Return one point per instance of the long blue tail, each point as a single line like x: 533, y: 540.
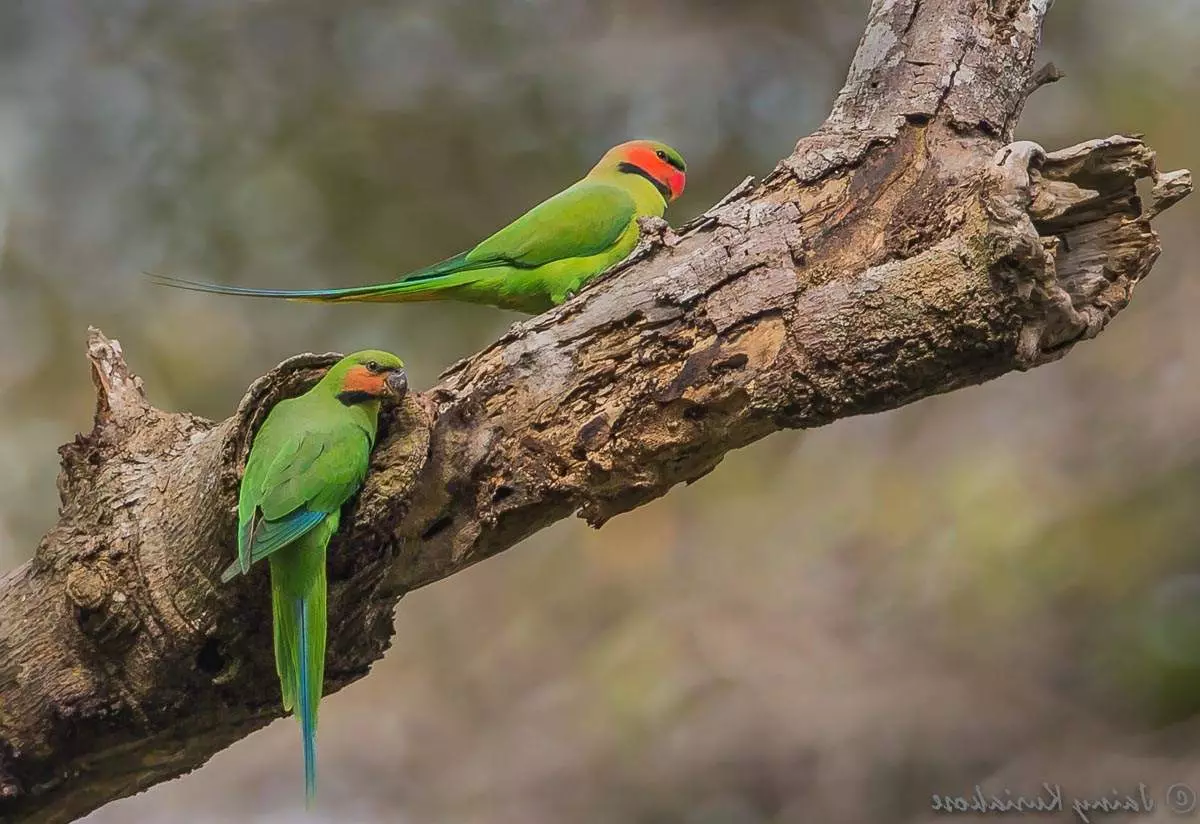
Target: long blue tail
x: 300, y: 659
x: 306, y: 707
x: 319, y: 295
x: 409, y: 287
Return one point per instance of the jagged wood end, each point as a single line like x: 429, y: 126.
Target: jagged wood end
x: 119, y: 393
x: 1169, y: 189
x: 1079, y: 239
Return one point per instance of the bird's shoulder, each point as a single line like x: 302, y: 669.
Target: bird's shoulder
x: 312, y: 458
x: 582, y: 220
x: 586, y: 198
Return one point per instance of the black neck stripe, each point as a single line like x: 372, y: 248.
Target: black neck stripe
x: 353, y: 396
x: 629, y: 168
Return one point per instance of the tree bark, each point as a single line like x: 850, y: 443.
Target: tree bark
x: 906, y: 248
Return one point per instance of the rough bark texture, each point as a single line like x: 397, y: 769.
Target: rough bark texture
x: 904, y: 249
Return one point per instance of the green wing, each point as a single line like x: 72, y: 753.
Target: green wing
x: 583, y: 220
x: 293, y: 482
x: 323, y: 472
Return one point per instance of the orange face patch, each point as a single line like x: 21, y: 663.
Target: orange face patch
x: 362, y: 379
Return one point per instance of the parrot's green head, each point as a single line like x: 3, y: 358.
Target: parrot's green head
x: 370, y: 375
x: 655, y: 161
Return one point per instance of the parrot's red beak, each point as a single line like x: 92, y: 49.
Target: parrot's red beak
x: 676, y: 180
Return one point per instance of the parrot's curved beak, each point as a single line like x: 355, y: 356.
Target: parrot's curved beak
x: 676, y: 180
x: 397, y: 383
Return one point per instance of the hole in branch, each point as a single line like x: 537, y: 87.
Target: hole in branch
x: 437, y: 526
x: 209, y: 659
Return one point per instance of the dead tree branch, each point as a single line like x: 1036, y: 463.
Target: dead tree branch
x: 906, y: 248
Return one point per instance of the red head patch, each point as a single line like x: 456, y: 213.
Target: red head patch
x: 657, y: 162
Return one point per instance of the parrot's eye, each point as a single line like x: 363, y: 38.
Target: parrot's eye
x: 373, y: 366
x: 673, y: 162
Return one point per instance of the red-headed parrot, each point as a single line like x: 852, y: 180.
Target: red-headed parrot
x: 543, y: 257
x: 309, y: 456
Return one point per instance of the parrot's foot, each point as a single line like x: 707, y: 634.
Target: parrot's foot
x: 657, y: 229
x: 558, y: 299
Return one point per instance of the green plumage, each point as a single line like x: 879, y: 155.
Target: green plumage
x: 541, y: 258
x: 308, y: 458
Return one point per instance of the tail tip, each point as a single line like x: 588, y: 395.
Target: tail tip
x: 310, y: 778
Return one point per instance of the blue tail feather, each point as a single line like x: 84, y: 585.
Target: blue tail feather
x: 304, y: 707
x: 420, y: 280
x: 244, y: 291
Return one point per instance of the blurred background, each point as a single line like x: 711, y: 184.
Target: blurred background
x: 1000, y: 585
